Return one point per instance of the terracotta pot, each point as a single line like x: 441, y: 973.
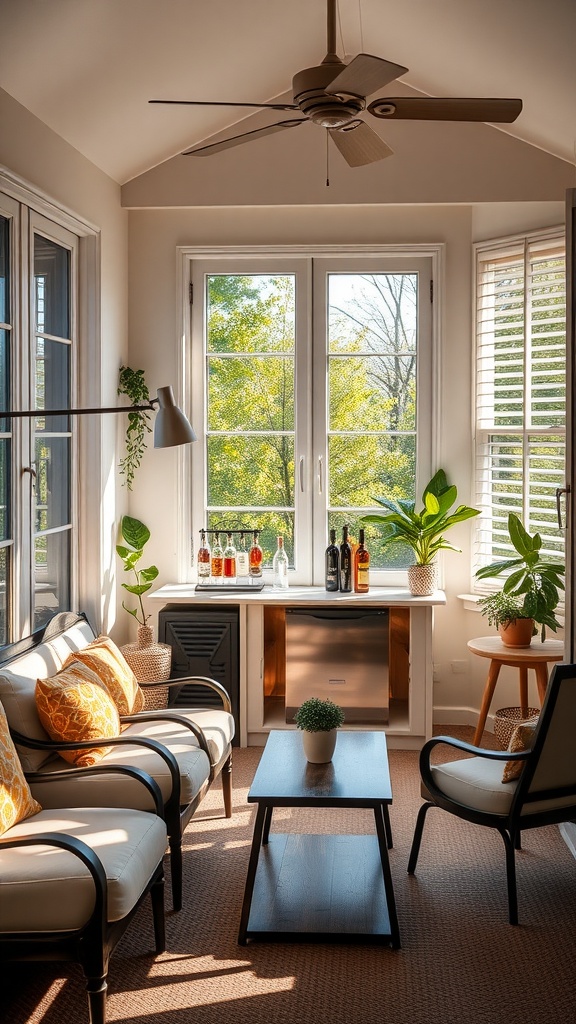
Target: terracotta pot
x: 423, y: 579
x: 517, y: 633
x: 319, y: 746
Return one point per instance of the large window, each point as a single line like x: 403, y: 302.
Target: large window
x: 38, y: 282
x: 316, y: 391
x: 520, y: 390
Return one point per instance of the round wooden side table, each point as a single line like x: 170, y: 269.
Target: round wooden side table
x: 535, y: 657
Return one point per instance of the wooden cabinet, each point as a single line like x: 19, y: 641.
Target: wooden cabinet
x: 262, y: 654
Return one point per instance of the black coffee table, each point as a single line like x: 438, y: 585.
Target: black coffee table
x: 321, y: 887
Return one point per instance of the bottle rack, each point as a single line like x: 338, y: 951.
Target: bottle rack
x: 252, y: 585
x: 239, y: 530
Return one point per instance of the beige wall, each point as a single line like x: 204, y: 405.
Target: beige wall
x: 33, y: 154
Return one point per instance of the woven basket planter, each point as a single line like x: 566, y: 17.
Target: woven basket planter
x: 150, y: 663
x: 506, y: 720
x: 423, y: 579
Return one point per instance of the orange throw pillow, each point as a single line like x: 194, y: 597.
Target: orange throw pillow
x: 16, y: 800
x: 73, y: 705
x: 103, y: 657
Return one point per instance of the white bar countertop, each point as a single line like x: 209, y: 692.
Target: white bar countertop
x: 185, y: 593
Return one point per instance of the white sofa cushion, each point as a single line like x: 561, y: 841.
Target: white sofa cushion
x: 46, y: 889
x: 216, y: 724
x: 476, y: 782
x: 115, y: 790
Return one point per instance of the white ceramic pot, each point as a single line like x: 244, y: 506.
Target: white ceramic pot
x: 319, y: 746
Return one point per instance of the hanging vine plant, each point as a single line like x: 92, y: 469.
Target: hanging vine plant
x: 132, y: 383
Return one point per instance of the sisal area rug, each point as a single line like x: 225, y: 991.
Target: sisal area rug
x: 460, y: 962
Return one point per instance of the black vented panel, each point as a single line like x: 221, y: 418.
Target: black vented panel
x: 204, y: 642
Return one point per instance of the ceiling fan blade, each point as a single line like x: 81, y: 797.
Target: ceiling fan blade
x: 359, y: 145
x: 432, y: 108
x: 364, y: 75
x: 223, y: 103
x: 237, y: 140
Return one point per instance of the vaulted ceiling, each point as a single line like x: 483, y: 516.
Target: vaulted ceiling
x: 87, y: 68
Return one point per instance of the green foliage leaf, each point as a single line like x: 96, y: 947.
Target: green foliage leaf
x: 134, y: 532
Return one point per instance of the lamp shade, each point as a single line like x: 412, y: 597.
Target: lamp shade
x: 171, y: 426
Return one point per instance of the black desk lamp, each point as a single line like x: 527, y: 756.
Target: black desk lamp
x: 171, y: 426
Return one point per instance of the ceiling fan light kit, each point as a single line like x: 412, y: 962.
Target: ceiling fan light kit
x: 333, y: 94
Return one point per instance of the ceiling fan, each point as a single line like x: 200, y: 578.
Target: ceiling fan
x: 334, y: 94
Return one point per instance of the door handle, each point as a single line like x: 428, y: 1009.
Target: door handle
x: 559, y: 493
x: 301, y: 472
x: 320, y: 474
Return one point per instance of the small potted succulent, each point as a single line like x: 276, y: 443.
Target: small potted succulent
x: 319, y: 721
x: 531, y: 588
x: 422, y: 531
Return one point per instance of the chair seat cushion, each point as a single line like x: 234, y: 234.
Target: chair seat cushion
x: 476, y: 782
x: 217, y: 726
x: 116, y: 790
x: 47, y: 889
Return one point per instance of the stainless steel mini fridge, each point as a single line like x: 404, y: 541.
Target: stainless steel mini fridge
x: 341, y: 654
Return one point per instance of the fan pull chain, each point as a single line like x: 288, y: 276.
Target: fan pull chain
x: 327, y: 162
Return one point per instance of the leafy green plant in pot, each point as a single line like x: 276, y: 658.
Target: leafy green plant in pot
x: 135, y: 536
x: 319, y: 721
x: 423, y: 531
x: 531, y: 588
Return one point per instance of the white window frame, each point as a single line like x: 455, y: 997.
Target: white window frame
x: 191, y: 383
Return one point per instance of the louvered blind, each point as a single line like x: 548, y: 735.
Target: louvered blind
x: 520, y: 391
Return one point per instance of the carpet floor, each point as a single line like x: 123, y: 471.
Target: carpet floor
x: 460, y: 962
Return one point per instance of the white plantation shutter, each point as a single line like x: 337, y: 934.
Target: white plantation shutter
x: 520, y: 321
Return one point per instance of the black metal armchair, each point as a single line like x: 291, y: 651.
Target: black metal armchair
x: 543, y: 794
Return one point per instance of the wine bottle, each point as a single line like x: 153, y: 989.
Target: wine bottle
x: 255, y: 558
x: 242, y: 563
x: 217, y: 560
x: 203, y: 560
x: 332, y: 564
x: 345, y: 563
x: 361, y: 566
x: 280, y: 567
x: 229, y: 559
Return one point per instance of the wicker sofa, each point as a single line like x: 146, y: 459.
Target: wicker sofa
x: 184, y: 751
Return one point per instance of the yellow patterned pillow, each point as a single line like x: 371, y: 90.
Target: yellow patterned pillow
x: 73, y: 705
x: 104, y: 658
x: 16, y: 800
x: 521, y: 739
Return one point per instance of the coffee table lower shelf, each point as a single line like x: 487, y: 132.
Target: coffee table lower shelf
x: 319, y: 888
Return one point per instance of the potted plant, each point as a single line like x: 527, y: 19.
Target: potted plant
x: 423, y: 531
x: 319, y: 721
x: 136, y: 535
x: 533, y: 584
x: 506, y: 614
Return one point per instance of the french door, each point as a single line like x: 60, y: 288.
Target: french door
x: 311, y: 384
